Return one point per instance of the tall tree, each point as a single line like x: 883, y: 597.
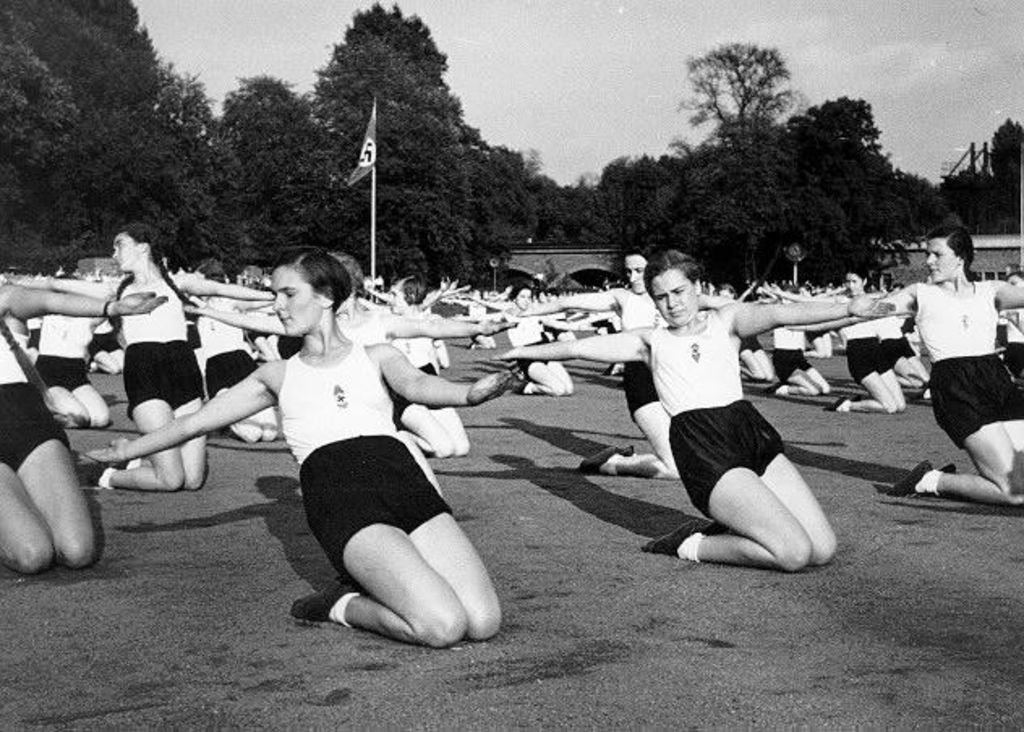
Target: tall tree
x: 738, y: 83
x: 280, y: 178
x: 423, y: 184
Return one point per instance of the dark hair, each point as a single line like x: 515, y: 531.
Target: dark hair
x: 662, y: 261
x: 413, y: 289
x: 324, y: 273
x: 727, y: 288
x: 143, y: 233
x: 958, y: 238
x: 212, y: 269
x: 354, y: 269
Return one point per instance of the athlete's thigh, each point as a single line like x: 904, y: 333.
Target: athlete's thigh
x: 94, y: 402
x: 21, y: 522
x: 744, y: 503
x: 446, y: 548
x: 785, y: 481
x: 48, y: 475
x: 654, y: 422
x: 385, y: 561
x: 992, y: 452
x: 150, y: 416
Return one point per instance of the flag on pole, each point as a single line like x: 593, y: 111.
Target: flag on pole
x: 368, y: 153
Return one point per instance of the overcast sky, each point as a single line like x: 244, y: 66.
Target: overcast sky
x: 587, y: 81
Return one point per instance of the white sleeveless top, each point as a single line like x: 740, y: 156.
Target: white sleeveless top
x: 890, y: 328
x: 10, y: 371
x: 696, y: 371
x: 789, y: 340
x: 65, y: 336
x: 639, y: 311
x: 324, y: 405
x: 527, y: 332
x: 865, y: 329
x: 218, y: 337
x: 955, y: 327
x: 163, y: 325
x: 371, y: 330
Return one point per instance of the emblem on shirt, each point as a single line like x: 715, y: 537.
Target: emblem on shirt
x: 695, y: 352
x: 339, y: 397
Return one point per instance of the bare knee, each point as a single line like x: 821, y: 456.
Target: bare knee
x: 794, y: 556
x: 78, y: 554
x: 31, y: 557
x: 440, y: 629
x: 484, y: 625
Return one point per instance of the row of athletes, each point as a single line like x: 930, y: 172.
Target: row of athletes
x: 398, y: 573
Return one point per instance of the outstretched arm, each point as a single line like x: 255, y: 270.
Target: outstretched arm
x: 399, y: 327
x: 435, y: 391
x: 256, y: 322
x: 247, y: 397
x: 210, y: 288
x: 754, y: 318
x: 588, y: 301
x: 632, y: 345
x: 23, y: 303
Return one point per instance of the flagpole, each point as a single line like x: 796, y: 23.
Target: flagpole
x: 373, y: 225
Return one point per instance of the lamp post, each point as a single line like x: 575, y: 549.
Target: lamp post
x: 493, y: 262
x: 795, y: 253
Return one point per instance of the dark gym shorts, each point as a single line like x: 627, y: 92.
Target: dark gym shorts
x: 288, y: 346
x: 893, y: 349
x: 971, y: 392
x: 788, y: 360
x: 750, y: 343
x: 400, y: 402
x: 863, y: 357
x: 69, y: 373
x: 165, y: 371
x: 708, y: 443
x: 638, y: 383
x: 1013, y: 357
x: 351, y: 484
x: 104, y: 342
x: 226, y: 369
x: 26, y: 424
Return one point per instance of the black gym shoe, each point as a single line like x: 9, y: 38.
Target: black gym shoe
x: 592, y: 465
x: 316, y: 607
x: 669, y: 543
x: 834, y: 406
x: 905, y: 485
x: 948, y: 468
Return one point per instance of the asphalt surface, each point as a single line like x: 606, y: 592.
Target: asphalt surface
x: 184, y: 621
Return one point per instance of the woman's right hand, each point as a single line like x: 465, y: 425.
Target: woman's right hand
x: 113, y: 454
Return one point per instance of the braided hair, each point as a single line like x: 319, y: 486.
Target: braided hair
x: 145, y: 234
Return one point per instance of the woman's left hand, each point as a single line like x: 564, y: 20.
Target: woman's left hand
x: 869, y: 306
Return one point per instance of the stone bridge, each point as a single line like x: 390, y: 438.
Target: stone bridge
x: 590, y: 266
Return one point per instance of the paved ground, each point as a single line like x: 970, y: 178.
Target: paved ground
x: 184, y: 622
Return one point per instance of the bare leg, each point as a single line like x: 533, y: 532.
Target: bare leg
x: 996, y: 452
x: 175, y: 469
x: 429, y: 588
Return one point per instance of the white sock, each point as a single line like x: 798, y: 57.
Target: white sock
x: 104, y: 481
x: 337, y: 613
x: 844, y: 407
x: 782, y: 390
x: 929, y: 483
x: 688, y: 549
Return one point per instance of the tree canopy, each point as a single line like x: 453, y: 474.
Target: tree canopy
x: 96, y: 130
